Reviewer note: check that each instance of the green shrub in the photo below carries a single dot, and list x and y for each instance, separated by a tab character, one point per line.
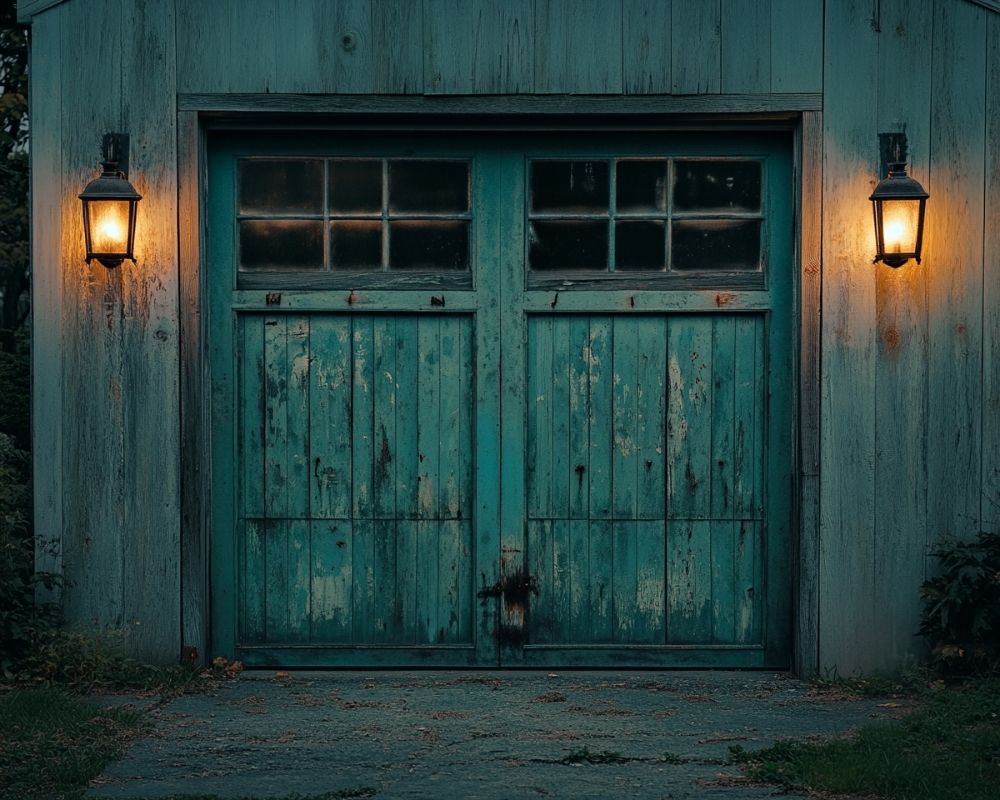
23	616
961	613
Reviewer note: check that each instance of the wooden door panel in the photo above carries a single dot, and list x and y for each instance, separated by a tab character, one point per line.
355	526
664	414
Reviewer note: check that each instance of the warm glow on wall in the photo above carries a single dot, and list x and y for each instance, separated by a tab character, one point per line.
109	207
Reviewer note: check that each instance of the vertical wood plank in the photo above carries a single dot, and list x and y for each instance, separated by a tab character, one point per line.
625	580
724	584
646	38
847	489
251	62
398	39
538	464
578	47
624	422
454	583
194	476
562	422
467	414
47	299
453	393
696	47
901	380
405	620
299	579
363	441
428	417
202	47
577	543
478	46
323	47
750	391
689	420
542	622
579	413
562	580
428	610
651	399
363	592
991	288
602	577
277	570
252	411
746	46
796	46
331	581
408	422
809	264
330	417
383	417
253	583
93	520
749	582
724	399
600	387
955	270
651	592
689	581
386	616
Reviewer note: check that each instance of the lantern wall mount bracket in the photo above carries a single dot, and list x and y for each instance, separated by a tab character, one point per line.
898	204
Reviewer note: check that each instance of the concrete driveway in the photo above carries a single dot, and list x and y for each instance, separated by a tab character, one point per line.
475	735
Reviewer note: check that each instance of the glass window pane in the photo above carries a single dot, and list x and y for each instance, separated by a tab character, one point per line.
429	244
717	186
570	186
640	245
899	222
716	244
642	186
429	186
355	186
568	244
281	244
356	244
280	186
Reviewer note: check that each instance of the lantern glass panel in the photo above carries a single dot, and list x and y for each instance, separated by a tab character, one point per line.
900	224
109	225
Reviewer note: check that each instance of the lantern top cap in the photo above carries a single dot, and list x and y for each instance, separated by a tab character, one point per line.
897	185
111	185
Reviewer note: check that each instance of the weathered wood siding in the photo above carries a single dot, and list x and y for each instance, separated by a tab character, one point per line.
910	412
910	441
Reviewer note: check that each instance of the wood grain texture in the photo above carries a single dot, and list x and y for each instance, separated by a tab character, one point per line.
323	47
478	46
47	298
696	47
901	382
646	43
809	262
797	46
578	47
93	454
991	288
28	9
954	239
746	46
195	464
150	346
847	470
398	39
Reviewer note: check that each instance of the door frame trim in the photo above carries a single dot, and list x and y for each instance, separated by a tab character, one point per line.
198	114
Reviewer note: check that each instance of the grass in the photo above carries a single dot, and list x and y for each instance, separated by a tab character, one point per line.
949	749
53	743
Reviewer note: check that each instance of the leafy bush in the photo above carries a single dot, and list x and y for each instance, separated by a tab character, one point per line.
961	614
23	618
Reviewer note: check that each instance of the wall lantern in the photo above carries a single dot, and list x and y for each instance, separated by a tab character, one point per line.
898	203
109	207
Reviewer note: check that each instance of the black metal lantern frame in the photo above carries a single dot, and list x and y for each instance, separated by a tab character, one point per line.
898	205
109	207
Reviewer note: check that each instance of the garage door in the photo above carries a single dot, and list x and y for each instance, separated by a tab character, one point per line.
486	400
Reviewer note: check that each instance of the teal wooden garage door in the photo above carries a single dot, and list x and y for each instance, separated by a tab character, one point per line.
516	400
